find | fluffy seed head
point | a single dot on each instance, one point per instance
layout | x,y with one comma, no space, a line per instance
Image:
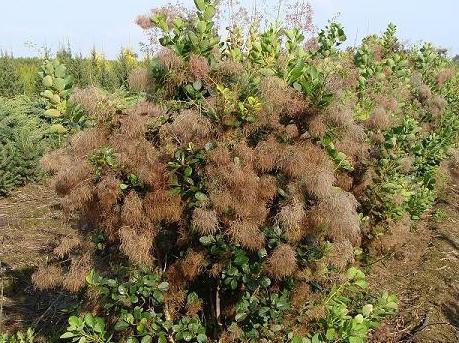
108,192
75,279
379,119
204,221
47,277
137,245
193,264
144,22
290,219
139,80
282,262
132,212
247,235
199,67
66,246
188,127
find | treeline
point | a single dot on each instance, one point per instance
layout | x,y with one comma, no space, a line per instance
19,75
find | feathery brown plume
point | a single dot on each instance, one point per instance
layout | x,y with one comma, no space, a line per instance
71,176
339,114
175,301
341,255
344,224
75,279
132,127
204,221
291,131
193,264
344,181
379,119
232,335
175,277
94,101
216,269
437,104
47,277
108,192
290,219
137,245
176,68
79,198
110,222
247,235
424,93
268,188
301,294
135,154
199,67
353,144
444,75
400,232
161,205
132,212
406,164
144,22
311,166
317,127
282,262
228,69
139,80
146,108
66,246
188,127
86,142
267,155
316,313
194,308
233,184
54,161
388,103
280,98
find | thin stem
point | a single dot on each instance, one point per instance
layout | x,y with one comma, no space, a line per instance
217,304
1,297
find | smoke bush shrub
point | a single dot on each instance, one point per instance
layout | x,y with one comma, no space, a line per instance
237,184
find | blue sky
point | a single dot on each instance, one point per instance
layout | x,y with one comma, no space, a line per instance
109,24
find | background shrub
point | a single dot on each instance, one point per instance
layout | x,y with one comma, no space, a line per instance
19,76
23,140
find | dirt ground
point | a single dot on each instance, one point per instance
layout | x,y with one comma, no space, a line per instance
31,224
423,272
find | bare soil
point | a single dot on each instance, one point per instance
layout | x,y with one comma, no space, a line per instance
424,273
31,224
